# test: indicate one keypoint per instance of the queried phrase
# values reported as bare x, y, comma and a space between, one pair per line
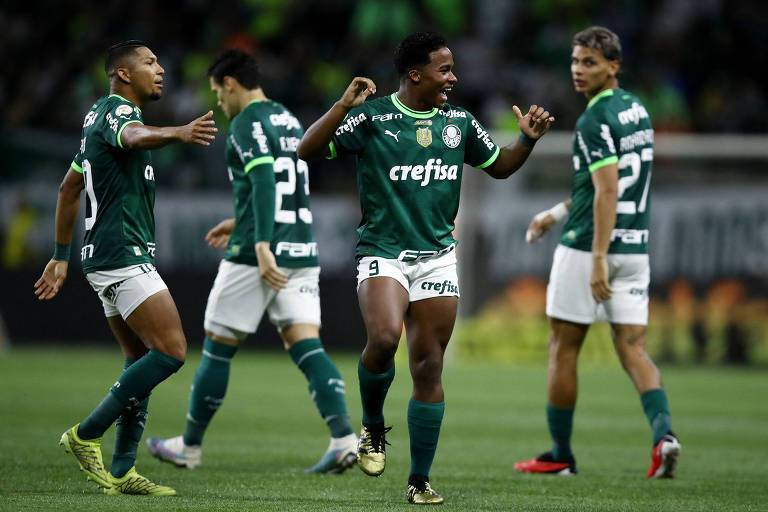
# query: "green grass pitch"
268, 431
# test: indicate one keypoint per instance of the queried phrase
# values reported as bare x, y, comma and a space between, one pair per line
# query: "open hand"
535, 123
218, 236
52, 280
200, 131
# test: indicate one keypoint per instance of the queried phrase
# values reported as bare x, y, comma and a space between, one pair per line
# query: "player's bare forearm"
510, 159
314, 143
139, 136
67, 206
605, 181
604, 213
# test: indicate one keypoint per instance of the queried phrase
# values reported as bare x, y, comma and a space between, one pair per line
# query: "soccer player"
600, 269
411, 146
270, 265
114, 167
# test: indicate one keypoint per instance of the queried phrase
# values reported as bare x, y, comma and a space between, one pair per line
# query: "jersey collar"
418, 114
118, 96
603, 94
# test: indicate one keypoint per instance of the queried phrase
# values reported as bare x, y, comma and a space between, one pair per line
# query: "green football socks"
424, 420
325, 384
133, 386
373, 391
128, 430
208, 389
560, 423
656, 410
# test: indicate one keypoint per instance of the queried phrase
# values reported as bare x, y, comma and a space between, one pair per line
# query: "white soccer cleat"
174, 450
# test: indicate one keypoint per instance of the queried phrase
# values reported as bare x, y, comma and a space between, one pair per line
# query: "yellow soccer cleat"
88, 455
425, 496
371, 450
134, 483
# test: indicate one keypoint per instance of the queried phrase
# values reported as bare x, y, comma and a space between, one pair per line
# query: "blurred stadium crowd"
695, 65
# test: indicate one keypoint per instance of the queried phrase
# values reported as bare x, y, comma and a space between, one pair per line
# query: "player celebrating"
600, 269
270, 264
115, 168
411, 147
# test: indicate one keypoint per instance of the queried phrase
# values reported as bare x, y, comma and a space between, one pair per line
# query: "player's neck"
250, 95
128, 94
610, 84
408, 97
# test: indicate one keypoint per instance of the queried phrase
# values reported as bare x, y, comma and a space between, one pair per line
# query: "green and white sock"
424, 421
560, 421
325, 384
208, 389
656, 410
373, 391
133, 386
128, 431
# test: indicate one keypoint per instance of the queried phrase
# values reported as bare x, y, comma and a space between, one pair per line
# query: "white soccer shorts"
569, 296
124, 289
423, 278
240, 296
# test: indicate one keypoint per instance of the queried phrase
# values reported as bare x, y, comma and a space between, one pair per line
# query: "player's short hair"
240, 65
414, 50
118, 52
600, 38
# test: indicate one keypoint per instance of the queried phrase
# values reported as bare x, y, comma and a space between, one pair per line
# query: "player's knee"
427, 368
384, 338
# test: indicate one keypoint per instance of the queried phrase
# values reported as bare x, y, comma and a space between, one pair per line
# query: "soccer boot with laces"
337, 459
546, 463
423, 494
174, 450
134, 483
371, 449
664, 457
88, 455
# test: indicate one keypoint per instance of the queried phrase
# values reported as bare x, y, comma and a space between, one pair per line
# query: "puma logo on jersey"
248, 153
597, 152
393, 135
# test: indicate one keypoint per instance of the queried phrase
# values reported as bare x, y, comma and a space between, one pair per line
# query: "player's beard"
156, 95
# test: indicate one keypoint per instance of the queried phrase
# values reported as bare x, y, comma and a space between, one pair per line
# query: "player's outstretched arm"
200, 131
218, 236
314, 144
67, 205
544, 221
533, 126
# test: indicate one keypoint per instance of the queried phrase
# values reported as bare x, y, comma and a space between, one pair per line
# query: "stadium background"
697, 66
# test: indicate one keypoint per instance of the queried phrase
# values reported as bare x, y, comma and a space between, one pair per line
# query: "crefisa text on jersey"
423, 172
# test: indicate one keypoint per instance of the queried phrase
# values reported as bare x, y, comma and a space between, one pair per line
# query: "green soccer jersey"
270, 185
409, 173
615, 129
119, 189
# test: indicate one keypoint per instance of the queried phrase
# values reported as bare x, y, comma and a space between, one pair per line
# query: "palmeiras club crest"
424, 136
451, 136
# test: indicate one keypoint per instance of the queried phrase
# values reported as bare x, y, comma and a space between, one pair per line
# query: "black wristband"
61, 252
527, 141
